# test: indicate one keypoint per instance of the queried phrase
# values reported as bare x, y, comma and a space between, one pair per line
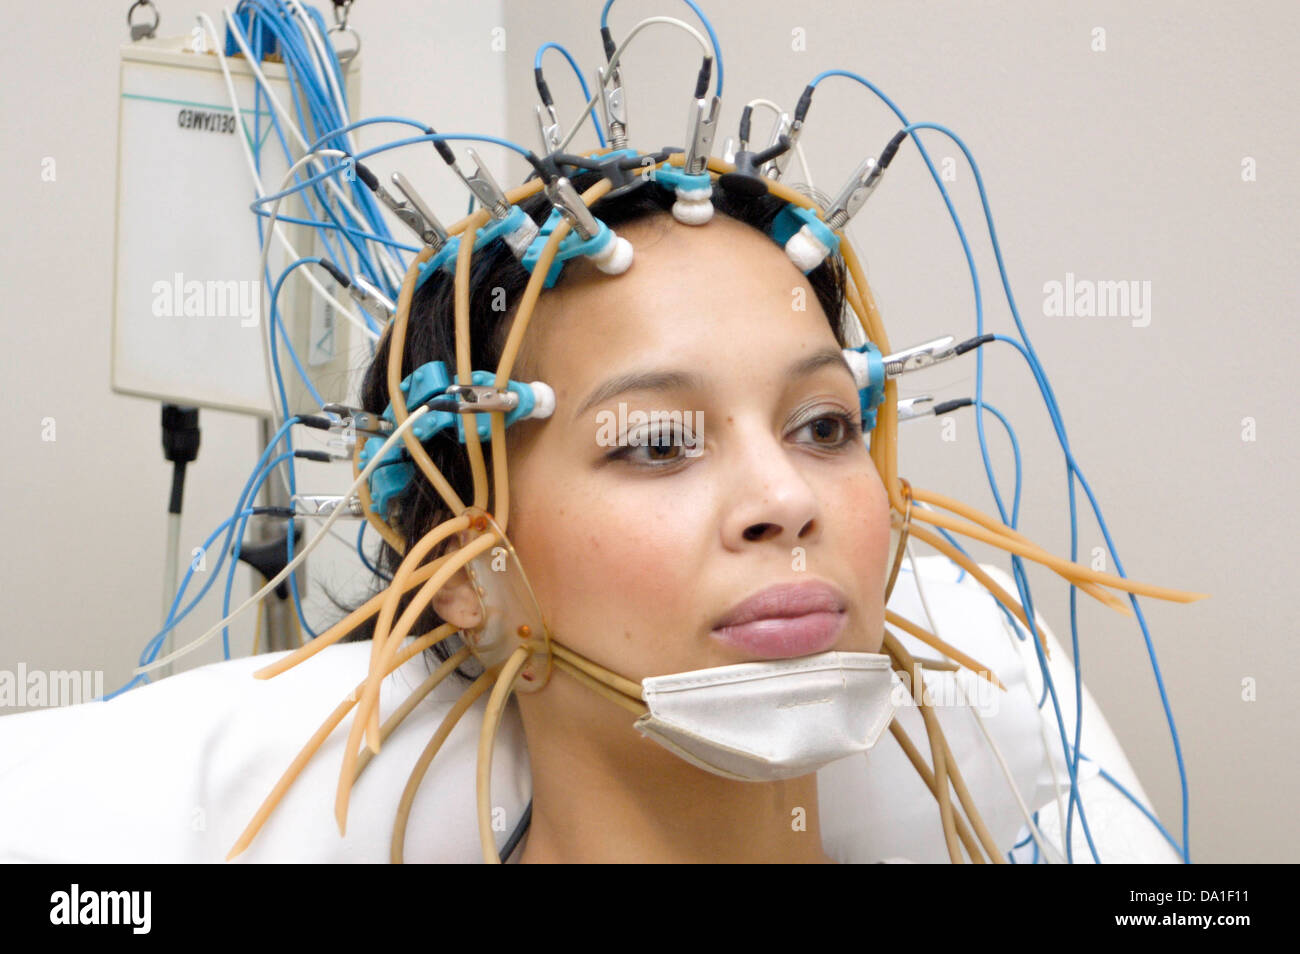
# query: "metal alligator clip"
484, 187
912, 408
370, 298
367, 422
414, 214
855, 192
702, 123
566, 198
613, 106
550, 131
919, 356
474, 399
322, 505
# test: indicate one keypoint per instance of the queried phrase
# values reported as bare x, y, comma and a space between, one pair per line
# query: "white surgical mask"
778, 719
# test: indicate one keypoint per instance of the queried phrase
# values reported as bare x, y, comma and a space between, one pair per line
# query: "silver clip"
484, 187
550, 130
368, 422
920, 356
478, 398
702, 123
414, 214
565, 198
613, 106
912, 408
851, 198
370, 298
322, 505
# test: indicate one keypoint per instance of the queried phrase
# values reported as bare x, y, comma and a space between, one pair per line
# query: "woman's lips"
781, 638
788, 619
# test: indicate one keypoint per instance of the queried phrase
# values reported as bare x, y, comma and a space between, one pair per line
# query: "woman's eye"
656, 449
832, 430
836, 429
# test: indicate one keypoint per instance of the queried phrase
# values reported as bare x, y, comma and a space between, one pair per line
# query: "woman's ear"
458, 603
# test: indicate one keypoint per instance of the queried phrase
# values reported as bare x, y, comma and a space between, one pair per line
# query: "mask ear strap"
902, 537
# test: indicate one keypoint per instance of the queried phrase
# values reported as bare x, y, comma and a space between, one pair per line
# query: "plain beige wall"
1122, 164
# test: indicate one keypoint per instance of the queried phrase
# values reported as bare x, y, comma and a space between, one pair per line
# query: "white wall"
1116, 165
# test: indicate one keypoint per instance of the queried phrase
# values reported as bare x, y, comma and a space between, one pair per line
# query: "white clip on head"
543, 400
693, 206
615, 258
806, 250
857, 362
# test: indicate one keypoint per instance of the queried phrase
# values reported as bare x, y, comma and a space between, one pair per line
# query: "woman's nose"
772, 500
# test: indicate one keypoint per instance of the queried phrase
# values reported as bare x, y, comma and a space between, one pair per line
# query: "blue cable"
1021, 582
435, 137
299, 55
319, 105
586, 93
979, 312
1073, 471
343, 130
254, 45
329, 226
1012, 520
239, 544
276, 323
172, 618
152, 647
713, 37
361, 552
1133, 798
301, 58
284, 405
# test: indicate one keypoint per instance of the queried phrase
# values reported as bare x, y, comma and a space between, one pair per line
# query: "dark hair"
431, 337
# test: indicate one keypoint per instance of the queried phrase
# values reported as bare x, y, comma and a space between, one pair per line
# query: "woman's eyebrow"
819, 359
671, 379
662, 380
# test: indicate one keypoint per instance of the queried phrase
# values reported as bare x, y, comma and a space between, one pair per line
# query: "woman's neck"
633, 801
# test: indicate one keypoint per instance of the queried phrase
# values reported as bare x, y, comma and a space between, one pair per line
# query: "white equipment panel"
187, 322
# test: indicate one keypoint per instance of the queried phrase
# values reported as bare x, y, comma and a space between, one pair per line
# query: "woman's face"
638, 546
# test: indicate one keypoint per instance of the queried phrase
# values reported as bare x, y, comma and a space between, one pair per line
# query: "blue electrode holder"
672, 177
784, 226
446, 256
667, 177
572, 246
793, 218
872, 395
423, 384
